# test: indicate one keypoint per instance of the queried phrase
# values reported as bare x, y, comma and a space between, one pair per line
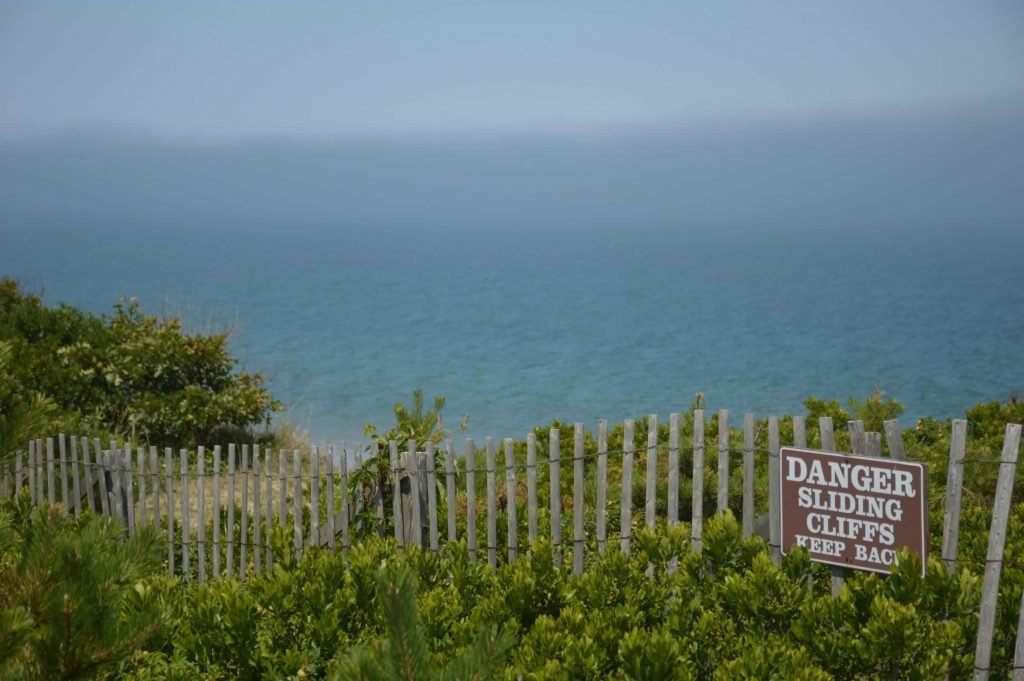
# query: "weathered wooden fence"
337, 495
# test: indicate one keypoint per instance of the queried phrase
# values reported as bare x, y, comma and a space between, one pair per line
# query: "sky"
478, 115
202, 71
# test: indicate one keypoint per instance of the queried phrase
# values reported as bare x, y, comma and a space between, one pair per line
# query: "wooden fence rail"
336, 495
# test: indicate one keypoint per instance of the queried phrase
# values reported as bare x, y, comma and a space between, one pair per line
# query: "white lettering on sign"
853, 511
844, 474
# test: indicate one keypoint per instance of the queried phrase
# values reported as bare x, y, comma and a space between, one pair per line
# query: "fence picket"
774, 499
141, 456
531, 488
954, 493
243, 520
17, 473
169, 477
748, 474
413, 464
154, 478
397, 495
449, 482
555, 461
432, 495
800, 432
894, 439
994, 555
329, 489
230, 538
650, 503
697, 516
577, 498
102, 468
32, 471
257, 547
282, 487
510, 495
492, 508
471, 498
827, 433
183, 454
873, 444
314, 495
216, 511
76, 489
626, 502
61, 447
201, 524
723, 459
602, 485
90, 500
343, 463
268, 518
51, 489
40, 471
297, 502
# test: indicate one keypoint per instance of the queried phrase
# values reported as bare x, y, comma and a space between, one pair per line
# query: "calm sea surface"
517, 329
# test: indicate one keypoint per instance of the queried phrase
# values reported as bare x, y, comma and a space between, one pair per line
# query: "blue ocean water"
516, 328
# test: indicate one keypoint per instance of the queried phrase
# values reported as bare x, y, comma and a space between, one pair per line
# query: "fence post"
269, 517
626, 501
343, 462
954, 493
994, 555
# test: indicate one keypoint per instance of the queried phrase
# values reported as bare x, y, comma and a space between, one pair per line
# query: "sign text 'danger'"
853, 511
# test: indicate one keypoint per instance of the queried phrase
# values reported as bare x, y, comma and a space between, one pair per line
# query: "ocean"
519, 327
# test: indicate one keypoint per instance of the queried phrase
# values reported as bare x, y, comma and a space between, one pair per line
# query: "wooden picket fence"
137, 488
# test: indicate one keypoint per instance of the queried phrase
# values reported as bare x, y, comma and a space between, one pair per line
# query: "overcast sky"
213, 70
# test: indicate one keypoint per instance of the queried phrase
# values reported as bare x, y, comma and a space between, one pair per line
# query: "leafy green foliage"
130, 374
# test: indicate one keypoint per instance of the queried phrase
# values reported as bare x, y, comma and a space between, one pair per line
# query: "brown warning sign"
853, 511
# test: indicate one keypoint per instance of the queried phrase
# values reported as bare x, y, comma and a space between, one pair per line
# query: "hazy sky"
216, 70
